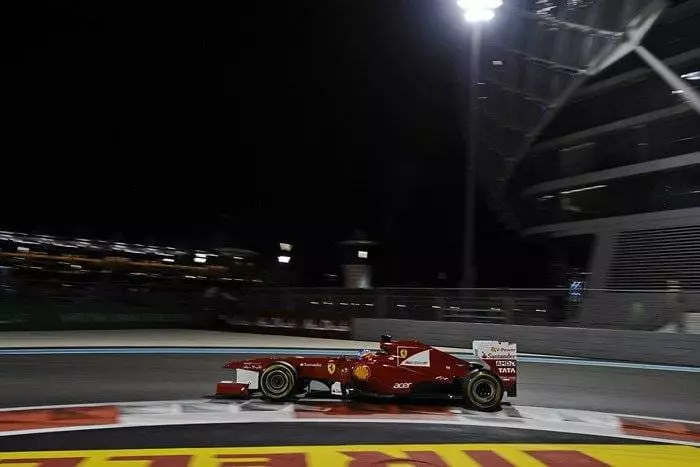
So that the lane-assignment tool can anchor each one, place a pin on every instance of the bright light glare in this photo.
(694, 76)
(479, 4)
(198, 259)
(362, 254)
(284, 259)
(479, 15)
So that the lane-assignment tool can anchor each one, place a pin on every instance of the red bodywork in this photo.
(403, 367)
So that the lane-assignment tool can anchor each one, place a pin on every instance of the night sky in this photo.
(244, 122)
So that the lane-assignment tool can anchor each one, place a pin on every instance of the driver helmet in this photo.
(385, 343)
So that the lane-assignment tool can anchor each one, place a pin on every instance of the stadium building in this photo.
(589, 113)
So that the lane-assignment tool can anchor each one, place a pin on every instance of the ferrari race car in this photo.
(400, 368)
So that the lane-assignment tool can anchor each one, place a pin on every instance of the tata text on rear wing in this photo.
(502, 360)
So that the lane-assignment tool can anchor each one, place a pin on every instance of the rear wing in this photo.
(502, 360)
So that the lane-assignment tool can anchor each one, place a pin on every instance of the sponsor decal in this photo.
(252, 366)
(402, 385)
(420, 359)
(495, 350)
(438, 455)
(505, 363)
(331, 368)
(314, 365)
(361, 372)
(442, 378)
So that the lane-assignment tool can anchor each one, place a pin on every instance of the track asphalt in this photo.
(31, 380)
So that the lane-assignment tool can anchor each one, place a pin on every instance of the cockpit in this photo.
(366, 354)
(385, 346)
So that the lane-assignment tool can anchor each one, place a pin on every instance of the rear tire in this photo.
(483, 390)
(278, 381)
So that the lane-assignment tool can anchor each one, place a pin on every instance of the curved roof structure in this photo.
(534, 56)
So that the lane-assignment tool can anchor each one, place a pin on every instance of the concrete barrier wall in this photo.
(637, 346)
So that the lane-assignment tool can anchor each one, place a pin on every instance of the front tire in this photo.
(483, 390)
(278, 381)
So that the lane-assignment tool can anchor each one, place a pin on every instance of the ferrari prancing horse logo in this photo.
(403, 353)
(331, 368)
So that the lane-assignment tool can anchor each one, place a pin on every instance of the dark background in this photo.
(249, 123)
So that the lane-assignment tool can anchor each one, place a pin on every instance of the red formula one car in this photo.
(400, 368)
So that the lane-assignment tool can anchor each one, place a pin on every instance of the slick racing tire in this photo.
(278, 381)
(483, 390)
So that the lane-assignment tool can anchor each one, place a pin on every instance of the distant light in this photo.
(497, 62)
(200, 255)
(678, 91)
(22, 249)
(170, 260)
(546, 197)
(286, 246)
(362, 254)
(199, 259)
(479, 15)
(239, 258)
(578, 190)
(693, 76)
(284, 259)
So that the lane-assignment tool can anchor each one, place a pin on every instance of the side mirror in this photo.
(385, 338)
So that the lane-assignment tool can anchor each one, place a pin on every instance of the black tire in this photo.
(483, 390)
(278, 381)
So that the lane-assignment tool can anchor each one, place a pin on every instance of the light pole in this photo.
(476, 12)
